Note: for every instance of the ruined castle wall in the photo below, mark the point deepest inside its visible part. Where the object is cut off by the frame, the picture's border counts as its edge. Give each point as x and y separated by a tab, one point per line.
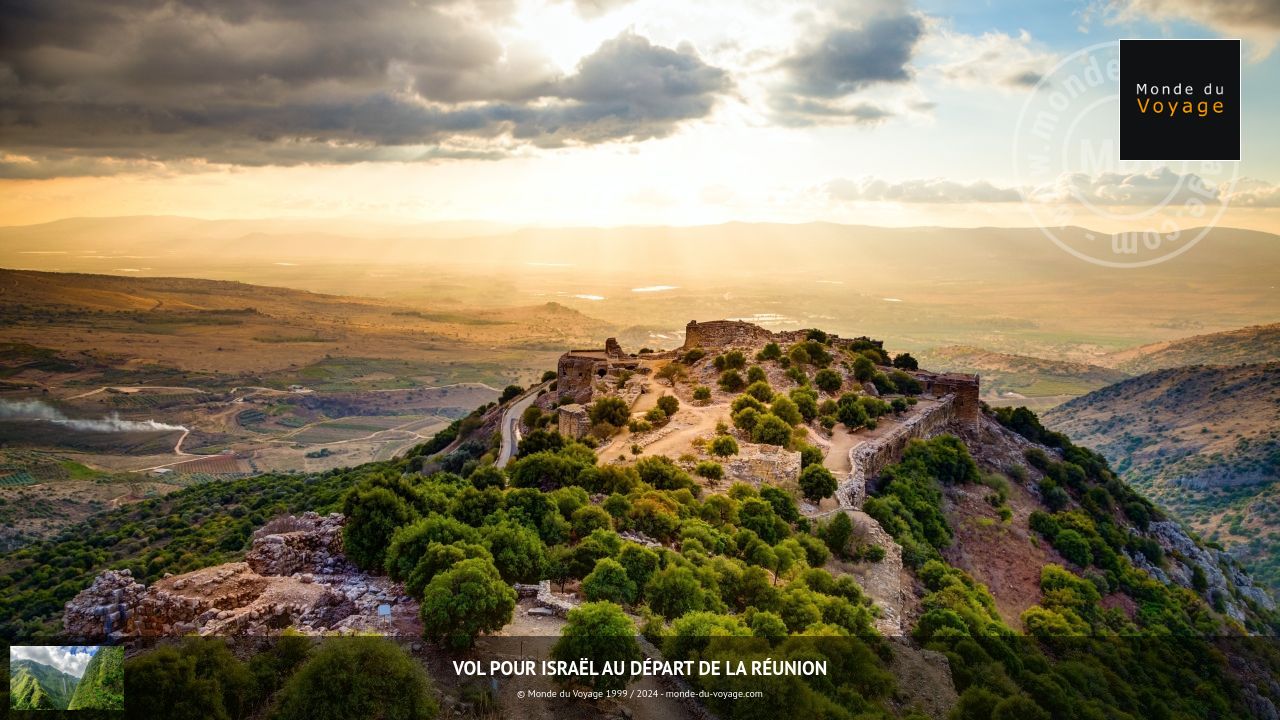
724	334
577	374
869	458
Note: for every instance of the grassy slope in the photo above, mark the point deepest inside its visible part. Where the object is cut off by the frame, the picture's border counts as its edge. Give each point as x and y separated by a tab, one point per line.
1201	441
102	686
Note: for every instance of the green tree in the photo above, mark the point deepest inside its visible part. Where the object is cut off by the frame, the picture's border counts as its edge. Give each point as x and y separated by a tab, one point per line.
589	518
197	680
724	446
760	390
1073	547
510	392
756	374
731	381
469	599
439	557
662	473
408	543
863	368
817	482
702	393
610	409
785	408
904	361
487	476
340	681
518	553
675	591
836	534
373	515
669	404
602	632
771	430
828	381
709	470
609	581
770	351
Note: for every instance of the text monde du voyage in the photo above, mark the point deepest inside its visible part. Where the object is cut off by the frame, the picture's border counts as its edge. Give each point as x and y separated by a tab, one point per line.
586	667
1179	100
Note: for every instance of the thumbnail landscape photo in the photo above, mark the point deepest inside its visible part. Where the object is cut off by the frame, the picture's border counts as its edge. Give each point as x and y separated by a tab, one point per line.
631	359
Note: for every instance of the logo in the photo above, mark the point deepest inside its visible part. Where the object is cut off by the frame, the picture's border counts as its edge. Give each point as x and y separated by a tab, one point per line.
1096	197
1179	99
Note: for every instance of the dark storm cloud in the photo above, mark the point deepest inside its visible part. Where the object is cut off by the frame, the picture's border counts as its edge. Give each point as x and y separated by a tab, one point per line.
86	84
844	61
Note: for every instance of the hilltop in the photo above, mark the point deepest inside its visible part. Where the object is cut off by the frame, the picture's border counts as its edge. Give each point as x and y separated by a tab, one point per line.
1250	345
35	686
1200	440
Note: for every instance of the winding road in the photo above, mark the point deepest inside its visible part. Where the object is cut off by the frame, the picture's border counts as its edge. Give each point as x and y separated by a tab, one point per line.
511	421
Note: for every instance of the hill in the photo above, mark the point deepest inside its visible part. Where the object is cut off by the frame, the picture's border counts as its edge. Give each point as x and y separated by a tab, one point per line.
1200	440
102	686
35	686
1020	379
1254	344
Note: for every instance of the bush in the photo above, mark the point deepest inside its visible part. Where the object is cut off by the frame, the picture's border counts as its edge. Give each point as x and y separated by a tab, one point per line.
836	534
518	553
602	632
760	391
373	515
724	446
770	351
785	408
669	404
510	392
609	581
771	430
611	410
337	682
461	603
755	374
702	393
662	473
655	416
437	558
731	381
710	470
905	362
828	381
199	679
589	518
817	482
675	591
487	476
863	368
1074	547
409	542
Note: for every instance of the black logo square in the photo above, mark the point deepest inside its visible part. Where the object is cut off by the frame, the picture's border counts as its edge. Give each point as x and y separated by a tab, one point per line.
1180	99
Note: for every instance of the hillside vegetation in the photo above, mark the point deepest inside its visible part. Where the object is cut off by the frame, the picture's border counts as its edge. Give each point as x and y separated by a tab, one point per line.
1250	345
35	686
1202	441
102	686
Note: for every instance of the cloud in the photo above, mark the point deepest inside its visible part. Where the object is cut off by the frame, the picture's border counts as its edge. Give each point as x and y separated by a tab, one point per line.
1254	20
1159	186
935	190
821	76
71	660
992	59
287	83
1252	193
36	410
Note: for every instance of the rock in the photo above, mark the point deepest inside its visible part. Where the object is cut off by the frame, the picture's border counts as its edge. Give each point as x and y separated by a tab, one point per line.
307	578
540	611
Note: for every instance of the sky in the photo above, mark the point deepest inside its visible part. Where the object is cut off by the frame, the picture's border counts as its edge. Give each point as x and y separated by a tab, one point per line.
70	659
603	112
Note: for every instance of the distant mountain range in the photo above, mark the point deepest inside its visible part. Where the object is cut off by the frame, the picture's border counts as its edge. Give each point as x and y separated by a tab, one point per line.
35	686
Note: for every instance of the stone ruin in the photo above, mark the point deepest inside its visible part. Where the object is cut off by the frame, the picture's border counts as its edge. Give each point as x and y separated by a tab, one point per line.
573	421
294	576
578	371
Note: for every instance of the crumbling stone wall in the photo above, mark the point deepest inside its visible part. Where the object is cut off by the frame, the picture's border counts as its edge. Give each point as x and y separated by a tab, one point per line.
716	334
869	458
963	386
572	421
760	465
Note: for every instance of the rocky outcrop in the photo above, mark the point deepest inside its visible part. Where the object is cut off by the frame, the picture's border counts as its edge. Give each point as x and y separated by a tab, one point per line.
294	576
1186	555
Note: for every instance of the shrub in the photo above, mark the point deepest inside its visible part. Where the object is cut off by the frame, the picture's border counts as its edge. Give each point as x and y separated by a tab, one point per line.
828	381
510	392
518	553
724	446
905	362
487	476
760	391
770	351
437	558
669	404
662	473
863	368
755	374
702	393
731	381
589	518
1074	547
710	470
609	581
771	430
836	534
817	482
398	690
675	591
373	515
655	416
602	632
611	410
785	408
461	603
